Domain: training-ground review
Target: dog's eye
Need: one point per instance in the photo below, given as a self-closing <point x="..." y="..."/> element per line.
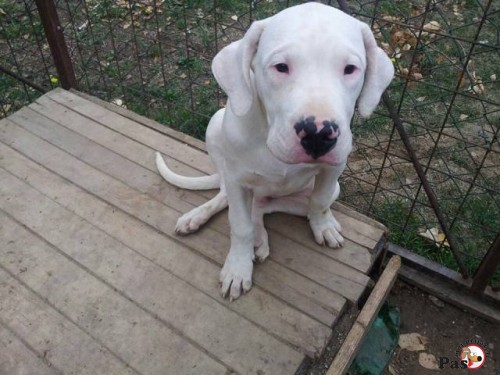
<point x="349" y="69"/>
<point x="282" y="68"/>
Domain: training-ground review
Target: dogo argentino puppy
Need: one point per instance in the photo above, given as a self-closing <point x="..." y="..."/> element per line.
<point x="283" y="140"/>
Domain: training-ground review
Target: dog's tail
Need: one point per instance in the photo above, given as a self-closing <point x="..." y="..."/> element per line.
<point x="191" y="183"/>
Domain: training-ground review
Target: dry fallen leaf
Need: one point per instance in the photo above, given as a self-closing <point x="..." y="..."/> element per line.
<point x="428" y="361"/>
<point x="435" y="235"/>
<point x="400" y="38"/>
<point x="432" y="26"/>
<point x="413" y="342"/>
<point x="477" y="86"/>
<point x="417" y="76"/>
<point x="463" y="116"/>
<point x="119" y="102"/>
<point x="391" y="19"/>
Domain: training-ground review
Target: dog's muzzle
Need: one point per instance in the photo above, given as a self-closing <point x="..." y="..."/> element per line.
<point x="317" y="142"/>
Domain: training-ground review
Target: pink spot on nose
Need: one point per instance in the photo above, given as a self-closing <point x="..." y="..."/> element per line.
<point x="332" y="131"/>
<point x="301" y="134"/>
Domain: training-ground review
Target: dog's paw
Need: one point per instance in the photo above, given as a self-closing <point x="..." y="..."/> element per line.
<point x="236" y="276"/>
<point x="261" y="246"/>
<point x="261" y="252"/>
<point x="326" y="229"/>
<point x="191" y="221"/>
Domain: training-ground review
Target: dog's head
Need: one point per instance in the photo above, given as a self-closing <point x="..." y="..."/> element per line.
<point x="306" y="68"/>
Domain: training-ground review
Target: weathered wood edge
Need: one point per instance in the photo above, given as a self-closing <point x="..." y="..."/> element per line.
<point x="361" y="326"/>
<point x="416" y="261"/>
<point x="342" y="207"/>
<point x="452" y="293"/>
<point x="164" y="129"/>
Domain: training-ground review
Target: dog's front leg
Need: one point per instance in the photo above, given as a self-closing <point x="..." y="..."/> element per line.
<point x="236" y="275"/>
<point x="325" y="227"/>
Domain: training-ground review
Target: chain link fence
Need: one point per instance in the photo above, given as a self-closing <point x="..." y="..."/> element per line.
<point x="153" y="57"/>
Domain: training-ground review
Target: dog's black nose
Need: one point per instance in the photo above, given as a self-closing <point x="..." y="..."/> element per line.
<point x="317" y="143"/>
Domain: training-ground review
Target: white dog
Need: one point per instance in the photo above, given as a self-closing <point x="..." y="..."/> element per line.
<point x="293" y="82"/>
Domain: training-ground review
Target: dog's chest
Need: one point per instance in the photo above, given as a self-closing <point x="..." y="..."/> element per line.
<point x="278" y="181"/>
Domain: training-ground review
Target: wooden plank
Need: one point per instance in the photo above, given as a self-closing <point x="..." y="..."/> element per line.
<point x="112" y="164"/>
<point x="352" y="254"/>
<point x="435" y="269"/>
<point x="297" y="228"/>
<point x="261" y="308"/>
<point x="451" y="293"/>
<point x="123" y="145"/>
<point x="374" y="234"/>
<point x="129" y="128"/>
<point x="56" y="340"/>
<point x="361" y="326"/>
<point x="131" y="336"/>
<point x="199" y="319"/>
<point x="360" y="232"/>
<point x="164" y="129"/>
<point x="334" y="275"/>
<point x="17" y="358"/>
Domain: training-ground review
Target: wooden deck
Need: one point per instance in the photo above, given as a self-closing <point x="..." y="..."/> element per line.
<point x="93" y="279"/>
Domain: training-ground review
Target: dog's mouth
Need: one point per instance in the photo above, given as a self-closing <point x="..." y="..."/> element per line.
<point x="325" y="159"/>
<point x="297" y="155"/>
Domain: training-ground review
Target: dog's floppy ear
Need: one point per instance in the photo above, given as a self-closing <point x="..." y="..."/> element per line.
<point x="231" y="68"/>
<point x="379" y="73"/>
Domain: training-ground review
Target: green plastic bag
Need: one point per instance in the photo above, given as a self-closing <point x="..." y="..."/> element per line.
<point x="380" y="343"/>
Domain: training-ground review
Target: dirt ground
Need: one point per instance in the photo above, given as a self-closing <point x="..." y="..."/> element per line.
<point x="445" y="326"/>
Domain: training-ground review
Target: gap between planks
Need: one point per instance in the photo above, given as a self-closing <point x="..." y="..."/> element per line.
<point x="363" y="322"/>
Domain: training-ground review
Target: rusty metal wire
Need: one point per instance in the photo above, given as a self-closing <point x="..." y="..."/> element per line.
<point x="153" y="56"/>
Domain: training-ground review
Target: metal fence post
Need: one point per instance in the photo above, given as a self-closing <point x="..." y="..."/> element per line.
<point x="55" y="38"/>
<point x="487" y="267"/>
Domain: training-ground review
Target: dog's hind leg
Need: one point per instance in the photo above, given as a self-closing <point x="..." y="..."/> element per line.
<point x="191" y="221"/>
<point x="261" y="241"/>
<point x="294" y="205"/>
<point x="297" y="205"/>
